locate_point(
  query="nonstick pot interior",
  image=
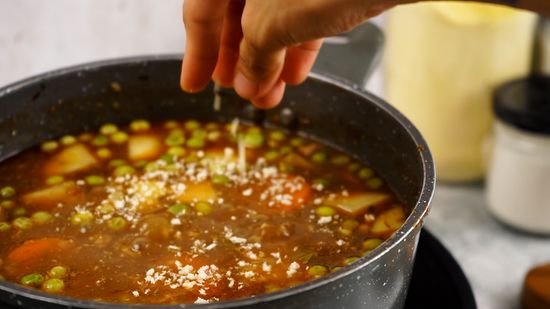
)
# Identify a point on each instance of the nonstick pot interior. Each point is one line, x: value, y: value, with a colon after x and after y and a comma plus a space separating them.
x: 84, y: 97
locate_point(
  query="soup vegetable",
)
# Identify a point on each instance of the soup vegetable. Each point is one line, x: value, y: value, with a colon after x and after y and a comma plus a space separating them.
x: 186, y: 212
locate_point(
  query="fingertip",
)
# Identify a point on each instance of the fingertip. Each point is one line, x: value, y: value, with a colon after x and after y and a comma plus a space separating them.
x: 244, y: 87
x: 272, y: 98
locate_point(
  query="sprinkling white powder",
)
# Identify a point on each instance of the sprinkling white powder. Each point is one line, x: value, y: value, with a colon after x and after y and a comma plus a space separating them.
x: 292, y: 268
x: 324, y: 220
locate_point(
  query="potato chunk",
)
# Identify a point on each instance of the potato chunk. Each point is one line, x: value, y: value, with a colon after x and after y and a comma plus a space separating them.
x: 72, y: 159
x: 144, y: 147
x: 49, y: 197
x: 389, y: 221
x: 198, y: 192
x: 358, y: 203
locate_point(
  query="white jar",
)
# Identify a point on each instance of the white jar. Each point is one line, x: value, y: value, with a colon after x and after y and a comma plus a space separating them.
x: 518, y: 184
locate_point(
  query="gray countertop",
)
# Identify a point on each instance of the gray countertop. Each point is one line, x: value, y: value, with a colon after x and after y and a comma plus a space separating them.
x: 494, y: 257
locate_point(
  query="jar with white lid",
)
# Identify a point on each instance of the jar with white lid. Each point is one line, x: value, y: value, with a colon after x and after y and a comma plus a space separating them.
x: 518, y: 184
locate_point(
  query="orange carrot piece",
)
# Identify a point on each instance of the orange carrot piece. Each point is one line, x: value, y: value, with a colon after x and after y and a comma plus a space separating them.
x: 33, y: 250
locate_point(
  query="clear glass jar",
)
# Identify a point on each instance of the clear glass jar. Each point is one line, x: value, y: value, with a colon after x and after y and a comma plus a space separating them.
x: 518, y: 182
x: 442, y: 63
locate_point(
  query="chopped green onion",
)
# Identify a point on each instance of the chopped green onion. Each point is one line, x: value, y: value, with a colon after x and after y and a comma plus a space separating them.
x: 49, y: 146
x: 317, y: 270
x: 140, y: 125
x: 178, y: 209
x: 41, y: 217
x: 54, y: 180
x: 95, y: 180
x: 325, y: 211
x: 219, y: 179
x: 32, y: 279
x: 53, y: 285
x: 104, y: 153
x: 100, y: 140
x: 123, y: 170
x: 365, y: 173
x: 22, y: 223
x: 340, y: 160
x: 68, y: 140
x: 4, y: 226
x: 7, y: 192
x: 117, y: 223
x: 58, y: 272
x: 319, y: 157
x: 82, y: 218
x: 204, y: 208
x: 108, y: 129
x: 119, y: 137
x: 253, y: 139
x: 195, y: 143
x: 192, y: 125
x: 374, y: 183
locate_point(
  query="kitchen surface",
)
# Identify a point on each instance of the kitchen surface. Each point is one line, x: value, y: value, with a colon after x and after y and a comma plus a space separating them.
x: 494, y: 257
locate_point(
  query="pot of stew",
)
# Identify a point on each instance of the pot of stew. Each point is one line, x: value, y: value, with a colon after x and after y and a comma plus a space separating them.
x: 117, y: 190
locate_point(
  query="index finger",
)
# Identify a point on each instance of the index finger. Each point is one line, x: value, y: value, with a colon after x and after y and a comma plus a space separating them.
x: 203, y: 21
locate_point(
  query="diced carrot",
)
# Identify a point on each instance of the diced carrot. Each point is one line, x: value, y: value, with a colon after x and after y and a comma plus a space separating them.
x: 69, y: 160
x: 25, y: 257
x: 299, y: 191
x: 144, y: 147
x: 49, y: 197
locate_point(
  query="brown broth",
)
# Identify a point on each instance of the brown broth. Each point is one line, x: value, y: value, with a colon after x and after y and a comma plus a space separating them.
x: 169, y: 213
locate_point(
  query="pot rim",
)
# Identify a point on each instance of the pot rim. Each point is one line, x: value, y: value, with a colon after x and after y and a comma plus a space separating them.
x: 415, y: 219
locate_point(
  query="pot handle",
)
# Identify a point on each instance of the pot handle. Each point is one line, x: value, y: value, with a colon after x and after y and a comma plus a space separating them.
x: 352, y: 56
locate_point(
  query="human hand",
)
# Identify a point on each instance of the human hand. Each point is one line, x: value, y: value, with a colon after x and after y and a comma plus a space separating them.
x: 259, y: 46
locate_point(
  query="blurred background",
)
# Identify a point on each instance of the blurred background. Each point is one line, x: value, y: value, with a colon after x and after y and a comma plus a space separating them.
x: 441, y: 65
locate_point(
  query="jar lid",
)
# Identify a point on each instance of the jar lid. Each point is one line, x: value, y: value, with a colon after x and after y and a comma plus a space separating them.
x: 525, y: 103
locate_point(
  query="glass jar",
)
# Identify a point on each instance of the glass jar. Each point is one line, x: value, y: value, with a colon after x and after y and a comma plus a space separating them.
x: 442, y: 63
x: 518, y: 183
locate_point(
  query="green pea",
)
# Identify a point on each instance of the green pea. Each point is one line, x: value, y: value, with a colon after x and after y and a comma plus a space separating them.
x: 140, y: 125
x: 321, y: 181
x: 350, y: 224
x: 270, y: 288
x: 253, y: 139
x: 319, y: 157
x: 95, y: 180
x: 317, y: 270
x: 108, y: 129
x: 350, y: 260
x: 198, y: 133
x: 106, y: 209
x: 175, y: 138
x: 85, y: 137
x: 7, y: 192
x: 204, y: 208
x: 219, y: 179
x: 103, y: 153
x: 344, y: 231
x: 116, y: 162
x: 285, y: 168
x: 32, y: 279
x: 192, y: 158
x: 325, y: 211
x: 68, y: 140
x: 372, y: 243
x: 53, y: 285
x: 119, y: 137
x: 374, y: 183
x: 278, y: 136
x: 19, y: 212
x: 4, y: 226
x: 49, y: 146
x: 58, y: 272
x: 151, y: 167
x: 7, y: 204
x: 214, y: 136
x: 297, y: 141
x: 365, y: 173
x: 123, y: 170
x: 195, y: 143
x: 54, y: 180
x: 171, y: 124
x: 117, y: 223
x: 176, y: 151
x: 178, y: 209
x: 340, y: 160
x: 271, y: 155
x: 140, y: 163
x: 285, y: 149
x: 100, y: 140
x: 82, y: 218
x: 353, y: 167
x: 22, y: 223
x: 191, y: 125
x: 167, y: 158
x: 41, y: 217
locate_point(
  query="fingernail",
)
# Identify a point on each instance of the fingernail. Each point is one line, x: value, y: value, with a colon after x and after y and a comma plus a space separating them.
x: 244, y: 87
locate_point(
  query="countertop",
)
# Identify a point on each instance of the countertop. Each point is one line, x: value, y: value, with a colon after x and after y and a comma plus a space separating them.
x: 494, y: 257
